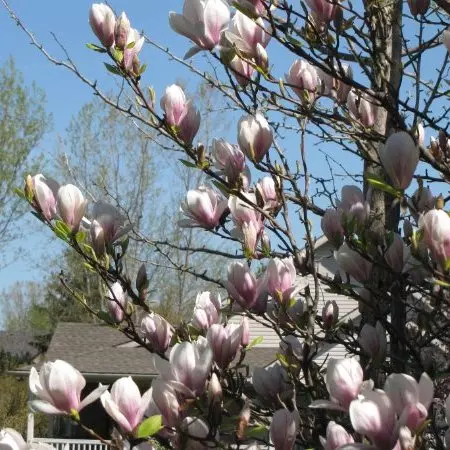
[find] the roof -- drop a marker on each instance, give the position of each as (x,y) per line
(21,344)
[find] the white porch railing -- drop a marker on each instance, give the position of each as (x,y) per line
(72,444)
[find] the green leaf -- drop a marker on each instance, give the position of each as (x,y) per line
(113,69)
(257,431)
(20,193)
(89,267)
(131,44)
(258,340)
(96,48)
(222,188)
(61,230)
(188,163)
(380,184)
(282,358)
(142,69)
(149,426)
(80,237)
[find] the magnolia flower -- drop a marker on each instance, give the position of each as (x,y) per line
(396,253)
(243,286)
(373,342)
(267,191)
(249,222)
(202,21)
(111,222)
(290,346)
(229,159)
(435,225)
(125,405)
(190,123)
(399,156)
(421,201)
(353,263)
(418,6)
(241,69)
(245,34)
(411,400)
(337,437)
(166,400)
(225,342)
(353,205)
(330,314)
(118,301)
(302,76)
(446,39)
(174,105)
(362,108)
(11,439)
(332,227)
(157,331)
(344,380)
(254,8)
(334,87)
(71,206)
(254,136)
(373,415)
(188,367)
(270,381)
(131,51)
(102,21)
(280,278)
(45,191)
(206,310)
(324,10)
(245,331)
(121,31)
(58,387)
(283,429)
(203,207)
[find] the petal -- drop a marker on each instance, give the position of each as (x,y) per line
(93,396)
(45,407)
(113,410)
(326,404)
(426,390)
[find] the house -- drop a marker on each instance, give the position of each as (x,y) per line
(102,355)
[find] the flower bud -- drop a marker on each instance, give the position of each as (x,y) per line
(399,157)
(71,206)
(362,108)
(418,6)
(97,238)
(323,10)
(336,438)
(121,31)
(283,429)
(330,314)
(353,263)
(206,310)
(245,338)
(103,22)
(243,421)
(332,227)
(280,279)
(436,235)
(173,103)
(229,159)
(44,191)
(142,281)
(189,124)
(158,332)
(214,389)
(303,76)
(265,244)
(268,193)
(373,342)
(254,136)
(225,342)
(118,302)
(262,60)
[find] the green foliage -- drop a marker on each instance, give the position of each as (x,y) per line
(23,123)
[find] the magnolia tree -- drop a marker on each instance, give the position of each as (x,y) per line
(365,78)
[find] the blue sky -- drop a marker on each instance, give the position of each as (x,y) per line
(66,94)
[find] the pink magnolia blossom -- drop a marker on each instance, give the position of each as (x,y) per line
(337,437)
(202,21)
(203,207)
(396,254)
(11,439)
(121,31)
(195,432)
(125,405)
(271,381)
(254,136)
(188,367)
(246,34)
(353,205)
(421,201)
(228,158)
(303,76)
(353,263)
(373,342)
(362,108)
(399,156)
(242,70)
(225,341)
(190,123)
(373,415)
(166,400)
(290,346)
(71,206)
(249,222)
(111,221)
(45,191)
(174,105)
(130,54)
(411,400)
(58,388)
(435,225)
(280,279)
(324,10)
(333,87)
(102,21)
(418,6)
(157,331)
(331,225)
(267,190)
(330,314)
(283,429)
(206,310)
(243,286)
(255,8)
(344,381)
(117,301)
(245,331)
